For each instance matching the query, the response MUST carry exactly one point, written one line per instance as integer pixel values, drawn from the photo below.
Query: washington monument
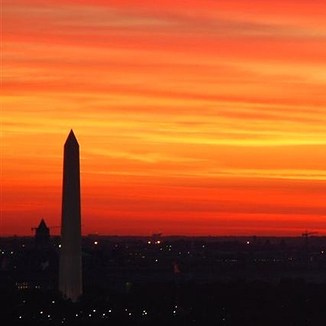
(70, 266)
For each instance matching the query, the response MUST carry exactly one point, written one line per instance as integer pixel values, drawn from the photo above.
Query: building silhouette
(70, 265)
(42, 235)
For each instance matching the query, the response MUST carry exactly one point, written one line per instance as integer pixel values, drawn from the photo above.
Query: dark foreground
(169, 281)
(291, 302)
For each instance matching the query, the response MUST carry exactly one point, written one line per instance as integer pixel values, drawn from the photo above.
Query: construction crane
(306, 235)
(49, 227)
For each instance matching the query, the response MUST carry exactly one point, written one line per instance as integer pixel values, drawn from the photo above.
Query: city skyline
(196, 118)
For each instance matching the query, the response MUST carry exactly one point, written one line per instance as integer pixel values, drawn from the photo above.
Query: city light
(224, 256)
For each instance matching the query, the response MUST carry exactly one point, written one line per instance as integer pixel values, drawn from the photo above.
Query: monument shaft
(70, 265)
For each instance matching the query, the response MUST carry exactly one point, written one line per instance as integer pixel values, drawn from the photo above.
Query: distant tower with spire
(42, 235)
(70, 264)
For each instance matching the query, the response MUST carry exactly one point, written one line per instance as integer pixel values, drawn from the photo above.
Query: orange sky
(193, 117)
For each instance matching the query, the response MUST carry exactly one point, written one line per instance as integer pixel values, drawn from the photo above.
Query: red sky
(193, 117)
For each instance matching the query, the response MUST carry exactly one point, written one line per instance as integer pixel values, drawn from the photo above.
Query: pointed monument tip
(71, 137)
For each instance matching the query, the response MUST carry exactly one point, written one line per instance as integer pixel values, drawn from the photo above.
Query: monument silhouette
(70, 264)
